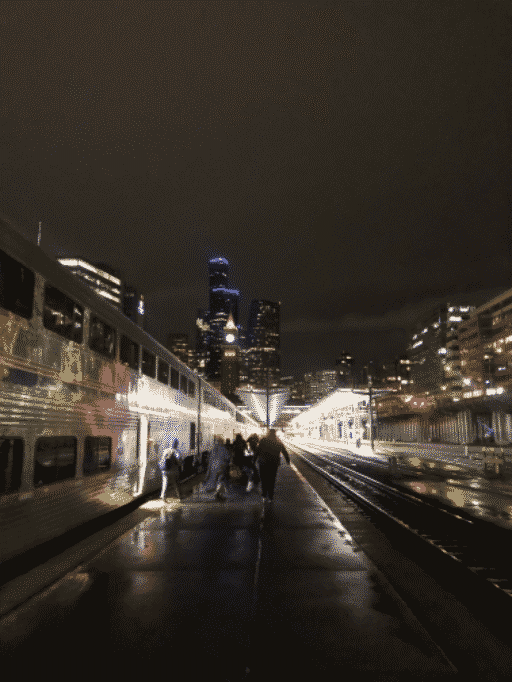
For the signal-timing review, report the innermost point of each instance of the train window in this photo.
(97, 454)
(191, 388)
(16, 286)
(129, 352)
(62, 315)
(148, 363)
(183, 384)
(163, 372)
(55, 459)
(192, 435)
(11, 464)
(102, 338)
(175, 378)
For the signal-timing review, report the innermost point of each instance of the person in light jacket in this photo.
(169, 466)
(268, 458)
(218, 463)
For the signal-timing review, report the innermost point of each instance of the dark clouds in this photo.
(350, 159)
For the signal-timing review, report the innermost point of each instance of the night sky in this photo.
(350, 159)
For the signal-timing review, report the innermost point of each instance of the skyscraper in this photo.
(263, 341)
(344, 370)
(223, 302)
(101, 278)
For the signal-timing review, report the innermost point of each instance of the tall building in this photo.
(230, 363)
(202, 342)
(133, 305)
(108, 283)
(434, 350)
(223, 302)
(102, 279)
(317, 385)
(344, 370)
(263, 342)
(485, 341)
(179, 346)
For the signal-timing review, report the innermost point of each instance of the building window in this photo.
(62, 315)
(97, 454)
(102, 338)
(11, 464)
(183, 384)
(16, 286)
(55, 459)
(163, 372)
(191, 389)
(175, 378)
(192, 435)
(129, 352)
(148, 363)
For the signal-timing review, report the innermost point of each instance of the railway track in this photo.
(475, 546)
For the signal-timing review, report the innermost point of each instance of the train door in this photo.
(142, 452)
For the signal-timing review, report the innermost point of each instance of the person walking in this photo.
(268, 458)
(218, 464)
(169, 466)
(238, 452)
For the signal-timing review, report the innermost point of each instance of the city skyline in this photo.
(350, 160)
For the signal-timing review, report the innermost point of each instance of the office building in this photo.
(202, 341)
(108, 283)
(434, 350)
(179, 346)
(101, 278)
(485, 341)
(317, 385)
(133, 305)
(263, 343)
(344, 365)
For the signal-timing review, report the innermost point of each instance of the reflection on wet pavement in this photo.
(473, 495)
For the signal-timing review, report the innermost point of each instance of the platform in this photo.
(228, 590)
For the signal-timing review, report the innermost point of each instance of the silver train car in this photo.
(87, 400)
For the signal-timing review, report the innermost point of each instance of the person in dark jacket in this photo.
(268, 458)
(252, 442)
(238, 449)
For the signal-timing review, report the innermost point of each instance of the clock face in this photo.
(230, 338)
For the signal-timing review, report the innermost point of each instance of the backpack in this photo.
(167, 461)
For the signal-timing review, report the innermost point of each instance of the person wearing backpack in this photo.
(169, 467)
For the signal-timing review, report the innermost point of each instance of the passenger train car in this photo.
(87, 401)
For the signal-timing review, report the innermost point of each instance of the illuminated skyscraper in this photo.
(101, 278)
(223, 302)
(263, 342)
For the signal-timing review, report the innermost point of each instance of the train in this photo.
(87, 401)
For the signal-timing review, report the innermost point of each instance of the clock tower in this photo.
(230, 363)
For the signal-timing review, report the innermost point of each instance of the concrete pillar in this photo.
(508, 427)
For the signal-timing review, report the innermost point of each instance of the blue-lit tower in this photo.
(223, 303)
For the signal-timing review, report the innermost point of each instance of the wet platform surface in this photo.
(228, 590)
